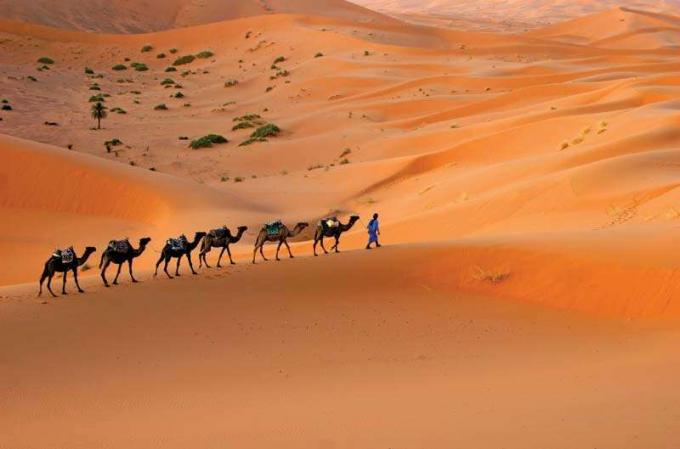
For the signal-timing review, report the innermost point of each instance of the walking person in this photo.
(373, 232)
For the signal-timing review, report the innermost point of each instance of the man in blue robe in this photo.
(373, 232)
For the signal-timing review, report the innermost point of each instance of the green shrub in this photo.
(238, 179)
(205, 54)
(95, 88)
(318, 55)
(147, 48)
(160, 56)
(247, 118)
(242, 125)
(173, 51)
(6, 107)
(97, 98)
(207, 141)
(32, 78)
(230, 83)
(139, 66)
(178, 95)
(119, 67)
(161, 107)
(171, 69)
(113, 142)
(119, 110)
(261, 134)
(167, 82)
(278, 60)
(89, 71)
(182, 60)
(45, 60)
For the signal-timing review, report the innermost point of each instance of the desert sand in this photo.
(526, 178)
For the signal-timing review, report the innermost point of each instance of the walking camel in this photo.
(280, 233)
(58, 264)
(323, 230)
(219, 238)
(119, 252)
(176, 248)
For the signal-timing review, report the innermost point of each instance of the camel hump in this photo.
(178, 244)
(66, 255)
(120, 246)
(330, 222)
(273, 227)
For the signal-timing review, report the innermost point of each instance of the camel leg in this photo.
(262, 252)
(177, 268)
(43, 276)
(219, 259)
(323, 247)
(316, 240)
(165, 267)
(49, 284)
(63, 284)
(115, 280)
(103, 273)
(75, 277)
(287, 246)
(132, 276)
(231, 261)
(202, 257)
(160, 259)
(337, 242)
(254, 253)
(191, 265)
(278, 247)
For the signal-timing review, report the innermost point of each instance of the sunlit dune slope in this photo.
(120, 16)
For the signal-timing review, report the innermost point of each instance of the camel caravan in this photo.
(120, 252)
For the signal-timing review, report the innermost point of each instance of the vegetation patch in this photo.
(205, 54)
(113, 142)
(262, 133)
(160, 107)
(171, 69)
(167, 82)
(230, 83)
(45, 60)
(207, 141)
(89, 71)
(119, 67)
(147, 48)
(97, 99)
(139, 66)
(182, 60)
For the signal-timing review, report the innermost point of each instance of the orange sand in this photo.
(526, 183)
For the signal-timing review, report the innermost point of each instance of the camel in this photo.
(55, 264)
(169, 252)
(281, 236)
(219, 238)
(110, 255)
(335, 232)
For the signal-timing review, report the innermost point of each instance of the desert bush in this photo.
(6, 107)
(278, 60)
(242, 125)
(161, 107)
(492, 276)
(318, 55)
(182, 60)
(161, 56)
(247, 118)
(345, 152)
(183, 138)
(119, 67)
(45, 60)
(344, 161)
(207, 141)
(147, 48)
(139, 66)
(89, 71)
(205, 54)
(32, 78)
(171, 69)
(113, 142)
(97, 98)
(269, 88)
(230, 83)
(95, 87)
(178, 95)
(238, 179)
(167, 82)
(173, 50)
(261, 134)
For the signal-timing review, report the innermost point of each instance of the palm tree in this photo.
(98, 113)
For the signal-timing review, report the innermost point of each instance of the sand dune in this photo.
(143, 17)
(527, 184)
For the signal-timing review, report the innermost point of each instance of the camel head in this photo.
(144, 241)
(353, 218)
(90, 249)
(242, 228)
(199, 235)
(301, 225)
